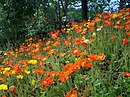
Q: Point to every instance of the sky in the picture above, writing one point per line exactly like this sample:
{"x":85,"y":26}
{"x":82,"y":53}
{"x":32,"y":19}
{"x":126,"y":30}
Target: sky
{"x":113,"y":4}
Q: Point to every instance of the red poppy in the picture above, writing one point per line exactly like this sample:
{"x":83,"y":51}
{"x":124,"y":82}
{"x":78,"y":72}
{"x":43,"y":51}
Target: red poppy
{"x":125,"y":41}
{"x":127,"y":33}
{"x":126,"y":74}
{"x":88,"y":89}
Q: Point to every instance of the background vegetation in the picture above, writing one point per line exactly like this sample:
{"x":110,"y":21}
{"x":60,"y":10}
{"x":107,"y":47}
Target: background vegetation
{"x":25,"y":18}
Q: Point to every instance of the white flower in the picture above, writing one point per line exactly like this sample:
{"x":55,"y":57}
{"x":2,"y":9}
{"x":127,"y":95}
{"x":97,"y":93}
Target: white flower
{"x":86,"y":41}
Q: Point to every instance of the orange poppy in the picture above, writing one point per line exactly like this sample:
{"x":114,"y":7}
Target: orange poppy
{"x":48,"y":43}
{"x":128,"y":9}
{"x":84,"y":31}
{"x":97,"y":19}
{"x":75,"y":51}
{"x":55,"y":34}
{"x":89,"y":65}
{"x":91,"y":40}
{"x":63,"y":78}
{"x":98,"y":15}
{"x":93,"y":57}
{"x":62,"y":54}
{"x":52,"y":73}
{"x":92,"y":29}
{"x":113,"y":37}
{"x":106,"y":15}
{"x":83,"y":53}
{"x":67,"y":43}
{"x":2,"y":79}
{"x":42,"y":58}
{"x":69,"y":38}
{"x":47,"y":48}
{"x":4,"y":95}
{"x":47,"y":81}
{"x":73,"y":93}
{"x":101,"y":57}
{"x":78,"y":41}
{"x":35,"y":56}
{"x":57,"y":43}
{"x":38,"y":71}
{"x":73,"y":23}
{"x":127,"y":27}
{"x":107,"y":23}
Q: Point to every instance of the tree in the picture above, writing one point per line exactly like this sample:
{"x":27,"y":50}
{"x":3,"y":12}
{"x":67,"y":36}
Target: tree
{"x":124,"y":4}
{"x":84,"y":9}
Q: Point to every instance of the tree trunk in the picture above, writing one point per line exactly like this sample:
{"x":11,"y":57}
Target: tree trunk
{"x":84,"y":10}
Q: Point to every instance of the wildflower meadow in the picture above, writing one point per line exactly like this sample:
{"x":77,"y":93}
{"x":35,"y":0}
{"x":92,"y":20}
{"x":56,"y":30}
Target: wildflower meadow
{"x":86,"y":59}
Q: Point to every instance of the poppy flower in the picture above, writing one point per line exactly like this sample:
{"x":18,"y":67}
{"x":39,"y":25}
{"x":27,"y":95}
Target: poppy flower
{"x":4,"y":95}
{"x":2,"y":79}
{"x":101,"y":57}
{"x":73,"y":93}
{"x":55,"y":34}
{"x":47,"y":48}
{"x":47,"y":81}
{"x":126,"y":74}
{"x":91,"y":40}
{"x":113,"y":37}
{"x":107,"y":23}
{"x":93,"y":57}
{"x":57,"y":43}
{"x":48,"y":43}
{"x":62,"y":54}
{"x":78,"y":41}
{"x":83,"y":53}
{"x":97,"y":19}
{"x":12,"y":89}
{"x":52,"y":73}
{"x":92,"y":29}
{"x":75,"y":51}
{"x":125,"y":41}
{"x":38,"y":71}
{"x":63,"y":78}
{"x":89,"y":65}
{"x":127,"y":33}
{"x":67,"y":43}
